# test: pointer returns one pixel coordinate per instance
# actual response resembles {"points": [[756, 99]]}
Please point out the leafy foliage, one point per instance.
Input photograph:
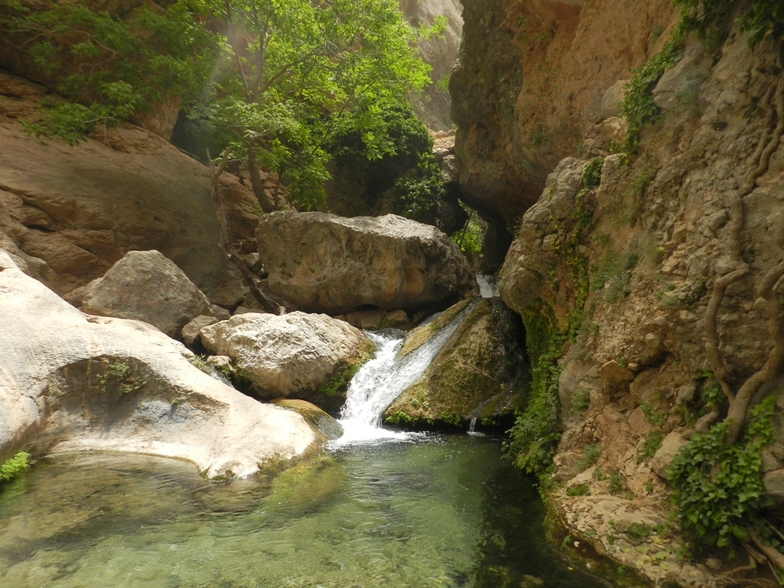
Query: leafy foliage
{"points": [[110, 68], [399, 156], [718, 487], [273, 78], [536, 431], [294, 71], [14, 466], [637, 106], [759, 18]]}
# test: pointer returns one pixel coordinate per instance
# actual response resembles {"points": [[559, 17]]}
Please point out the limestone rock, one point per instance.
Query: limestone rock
{"points": [[774, 485], [146, 286], [317, 418], [70, 382], [192, 331], [77, 210], [324, 263], [477, 373], [295, 355], [670, 446]]}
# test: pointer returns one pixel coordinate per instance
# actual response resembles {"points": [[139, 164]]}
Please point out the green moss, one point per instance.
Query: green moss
{"points": [[536, 432], [14, 466], [419, 336], [637, 106], [339, 382], [578, 490]]}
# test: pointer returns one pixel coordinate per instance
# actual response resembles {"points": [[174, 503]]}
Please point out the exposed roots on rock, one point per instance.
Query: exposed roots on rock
{"points": [[773, 102]]}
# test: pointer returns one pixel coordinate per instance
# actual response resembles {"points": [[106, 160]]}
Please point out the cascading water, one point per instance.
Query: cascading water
{"points": [[381, 380]]}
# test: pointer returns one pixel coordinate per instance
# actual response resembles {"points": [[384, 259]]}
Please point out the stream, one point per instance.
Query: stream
{"points": [[379, 508]]}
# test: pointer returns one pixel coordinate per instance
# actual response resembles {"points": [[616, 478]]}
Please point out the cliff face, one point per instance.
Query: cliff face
{"points": [[531, 78], [440, 52], [632, 270]]}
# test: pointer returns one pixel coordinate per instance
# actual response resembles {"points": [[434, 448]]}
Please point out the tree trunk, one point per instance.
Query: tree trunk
{"points": [[258, 184]]}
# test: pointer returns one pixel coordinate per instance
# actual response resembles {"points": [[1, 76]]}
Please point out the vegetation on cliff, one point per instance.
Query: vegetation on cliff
{"points": [[274, 81]]}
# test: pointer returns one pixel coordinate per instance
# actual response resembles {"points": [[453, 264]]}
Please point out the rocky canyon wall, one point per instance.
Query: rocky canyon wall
{"points": [[625, 256]]}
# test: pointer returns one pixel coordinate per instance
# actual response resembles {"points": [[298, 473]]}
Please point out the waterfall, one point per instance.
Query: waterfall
{"points": [[382, 379], [488, 288]]}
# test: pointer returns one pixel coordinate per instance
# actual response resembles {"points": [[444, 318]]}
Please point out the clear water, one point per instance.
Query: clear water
{"points": [[438, 512], [382, 379]]}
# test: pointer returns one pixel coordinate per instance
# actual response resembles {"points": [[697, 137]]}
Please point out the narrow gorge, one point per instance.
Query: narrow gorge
{"points": [[426, 293]]}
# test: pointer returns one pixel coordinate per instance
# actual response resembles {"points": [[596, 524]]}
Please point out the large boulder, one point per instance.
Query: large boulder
{"points": [[73, 211], [146, 286], [296, 355], [324, 263], [477, 373], [72, 382]]}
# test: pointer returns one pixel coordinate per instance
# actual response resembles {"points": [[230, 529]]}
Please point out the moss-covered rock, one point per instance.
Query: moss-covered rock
{"points": [[479, 372], [314, 416]]}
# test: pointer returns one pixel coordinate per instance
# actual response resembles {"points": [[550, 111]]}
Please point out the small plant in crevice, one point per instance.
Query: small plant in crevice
{"points": [[581, 400], [615, 486], [650, 446], [14, 466], [578, 490], [117, 378], [637, 106], [591, 454]]}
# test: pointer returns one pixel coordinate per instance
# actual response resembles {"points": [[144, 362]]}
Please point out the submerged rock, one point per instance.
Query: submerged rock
{"points": [[477, 373], [296, 355], [71, 382], [324, 263], [146, 286]]}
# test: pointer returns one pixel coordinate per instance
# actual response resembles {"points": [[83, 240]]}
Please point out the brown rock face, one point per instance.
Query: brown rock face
{"points": [[325, 263], [531, 77], [71, 212], [440, 52], [146, 286]]}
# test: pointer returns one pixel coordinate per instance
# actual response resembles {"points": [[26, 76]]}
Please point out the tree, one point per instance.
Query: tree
{"points": [[275, 78], [294, 72]]}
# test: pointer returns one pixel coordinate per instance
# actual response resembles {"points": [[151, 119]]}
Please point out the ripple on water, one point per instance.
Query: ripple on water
{"points": [[441, 512]]}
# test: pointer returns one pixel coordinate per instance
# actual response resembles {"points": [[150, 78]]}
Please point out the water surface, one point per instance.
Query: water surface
{"points": [[435, 512]]}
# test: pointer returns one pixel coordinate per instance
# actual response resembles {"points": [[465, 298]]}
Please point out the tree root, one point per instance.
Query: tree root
{"points": [[773, 102], [226, 243]]}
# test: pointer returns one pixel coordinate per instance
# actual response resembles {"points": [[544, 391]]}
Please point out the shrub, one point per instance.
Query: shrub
{"points": [[718, 487], [14, 466]]}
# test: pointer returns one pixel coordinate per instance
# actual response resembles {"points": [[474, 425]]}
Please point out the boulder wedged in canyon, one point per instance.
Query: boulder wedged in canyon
{"points": [[145, 286], [71, 212], [324, 263], [479, 372], [295, 355], [74, 382]]}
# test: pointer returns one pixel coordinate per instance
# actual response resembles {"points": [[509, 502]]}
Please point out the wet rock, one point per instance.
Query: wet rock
{"points": [[146, 286], [295, 355], [477, 373], [70, 382], [317, 418], [324, 263]]}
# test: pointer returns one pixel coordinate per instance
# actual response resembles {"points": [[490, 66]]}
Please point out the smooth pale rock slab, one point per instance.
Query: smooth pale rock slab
{"points": [[325, 263], [291, 355], [69, 381], [146, 286]]}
